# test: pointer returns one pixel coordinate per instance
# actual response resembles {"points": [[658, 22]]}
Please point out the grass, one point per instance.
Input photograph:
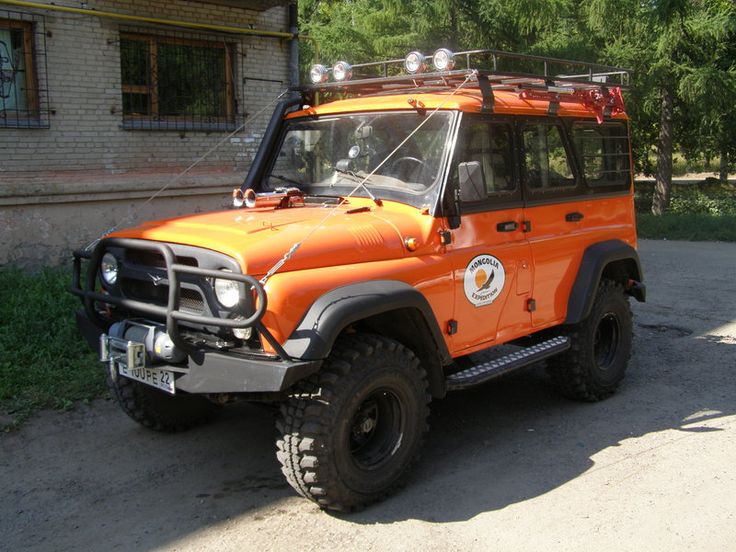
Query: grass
{"points": [[691, 227], [44, 362]]}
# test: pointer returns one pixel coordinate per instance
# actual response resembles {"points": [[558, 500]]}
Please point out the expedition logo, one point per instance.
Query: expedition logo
{"points": [[484, 280]]}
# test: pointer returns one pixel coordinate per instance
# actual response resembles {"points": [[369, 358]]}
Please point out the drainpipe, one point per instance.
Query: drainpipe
{"points": [[294, 43], [158, 21]]}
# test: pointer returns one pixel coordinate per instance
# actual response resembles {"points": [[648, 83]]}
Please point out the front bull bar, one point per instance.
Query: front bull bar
{"points": [[171, 311]]}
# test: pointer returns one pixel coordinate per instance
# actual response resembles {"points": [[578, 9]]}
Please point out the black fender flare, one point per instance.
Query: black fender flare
{"points": [[594, 262], [332, 312]]}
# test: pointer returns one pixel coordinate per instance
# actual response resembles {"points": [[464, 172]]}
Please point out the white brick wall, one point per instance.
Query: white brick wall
{"points": [[83, 59], [62, 186]]}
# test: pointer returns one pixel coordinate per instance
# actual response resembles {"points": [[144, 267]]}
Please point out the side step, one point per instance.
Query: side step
{"points": [[481, 373]]}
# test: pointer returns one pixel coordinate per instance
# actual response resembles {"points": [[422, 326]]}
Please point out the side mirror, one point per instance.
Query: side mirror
{"points": [[472, 181]]}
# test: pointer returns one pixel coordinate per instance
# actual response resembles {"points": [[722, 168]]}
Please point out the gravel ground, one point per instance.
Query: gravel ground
{"points": [[508, 466]]}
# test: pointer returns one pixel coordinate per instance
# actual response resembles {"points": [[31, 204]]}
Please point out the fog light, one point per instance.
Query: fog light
{"points": [[415, 63], [342, 71], [243, 333], [443, 60], [318, 74]]}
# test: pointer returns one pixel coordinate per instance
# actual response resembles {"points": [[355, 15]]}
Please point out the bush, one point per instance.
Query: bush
{"points": [[691, 227], [709, 197]]}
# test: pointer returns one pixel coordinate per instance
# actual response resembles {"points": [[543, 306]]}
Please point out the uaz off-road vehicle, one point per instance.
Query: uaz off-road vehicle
{"points": [[390, 226]]}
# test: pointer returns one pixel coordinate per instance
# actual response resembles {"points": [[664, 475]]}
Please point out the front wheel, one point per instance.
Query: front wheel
{"points": [[157, 410], [349, 433], [596, 362]]}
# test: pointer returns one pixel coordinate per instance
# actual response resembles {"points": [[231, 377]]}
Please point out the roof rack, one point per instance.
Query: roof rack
{"points": [[535, 77]]}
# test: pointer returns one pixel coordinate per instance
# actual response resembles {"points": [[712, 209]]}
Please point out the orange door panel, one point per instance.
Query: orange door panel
{"points": [[492, 277]]}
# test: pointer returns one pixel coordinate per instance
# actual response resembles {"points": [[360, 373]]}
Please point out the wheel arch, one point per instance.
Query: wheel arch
{"points": [[387, 307], [611, 259]]}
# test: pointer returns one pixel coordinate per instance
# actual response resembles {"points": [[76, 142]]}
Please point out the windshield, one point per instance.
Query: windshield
{"points": [[332, 155]]}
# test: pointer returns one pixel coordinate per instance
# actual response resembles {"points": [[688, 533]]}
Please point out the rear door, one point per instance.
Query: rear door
{"points": [[490, 255], [576, 178]]}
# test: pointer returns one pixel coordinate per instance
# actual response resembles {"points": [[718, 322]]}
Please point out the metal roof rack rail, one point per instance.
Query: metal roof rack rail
{"points": [[537, 77]]}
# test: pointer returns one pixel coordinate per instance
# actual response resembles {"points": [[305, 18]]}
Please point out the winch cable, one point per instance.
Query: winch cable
{"points": [[131, 216], [290, 253]]}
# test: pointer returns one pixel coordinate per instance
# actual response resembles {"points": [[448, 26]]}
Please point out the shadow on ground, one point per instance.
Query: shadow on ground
{"points": [[76, 481]]}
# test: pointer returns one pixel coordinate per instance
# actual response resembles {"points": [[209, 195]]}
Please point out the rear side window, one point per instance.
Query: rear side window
{"points": [[546, 163], [604, 153]]}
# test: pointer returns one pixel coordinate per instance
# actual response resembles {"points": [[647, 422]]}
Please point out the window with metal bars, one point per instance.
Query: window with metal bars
{"points": [[604, 153], [175, 83], [23, 102]]}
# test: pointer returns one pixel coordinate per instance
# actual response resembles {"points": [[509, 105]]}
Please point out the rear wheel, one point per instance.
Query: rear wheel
{"points": [[596, 362], [350, 432], [157, 410]]}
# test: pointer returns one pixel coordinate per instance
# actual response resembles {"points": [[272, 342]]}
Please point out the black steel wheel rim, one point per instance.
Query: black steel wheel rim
{"points": [[607, 339], [376, 429]]}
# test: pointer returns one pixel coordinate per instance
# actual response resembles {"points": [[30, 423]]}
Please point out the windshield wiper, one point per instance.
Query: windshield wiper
{"points": [[361, 181]]}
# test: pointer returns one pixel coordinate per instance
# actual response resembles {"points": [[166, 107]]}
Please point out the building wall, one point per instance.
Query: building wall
{"points": [[63, 185]]}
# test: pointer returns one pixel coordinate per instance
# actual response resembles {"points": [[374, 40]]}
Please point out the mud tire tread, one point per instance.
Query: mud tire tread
{"points": [[572, 372], [306, 420], [157, 411]]}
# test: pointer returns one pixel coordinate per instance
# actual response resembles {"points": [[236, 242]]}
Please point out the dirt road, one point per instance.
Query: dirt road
{"points": [[509, 466]]}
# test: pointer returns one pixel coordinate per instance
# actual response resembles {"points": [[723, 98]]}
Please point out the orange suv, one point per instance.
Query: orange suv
{"points": [[394, 223]]}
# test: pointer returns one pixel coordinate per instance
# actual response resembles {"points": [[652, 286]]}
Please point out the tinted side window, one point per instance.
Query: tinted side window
{"points": [[489, 145], [546, 165], [604, 153]]}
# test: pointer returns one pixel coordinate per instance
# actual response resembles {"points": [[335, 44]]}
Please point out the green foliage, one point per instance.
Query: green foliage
{"points": [[691, 227], [688, 46], [44, 362], [707, 198]]}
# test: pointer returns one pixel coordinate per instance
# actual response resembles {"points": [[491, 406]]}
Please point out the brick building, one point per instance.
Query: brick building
{"points": [[104, 102]]}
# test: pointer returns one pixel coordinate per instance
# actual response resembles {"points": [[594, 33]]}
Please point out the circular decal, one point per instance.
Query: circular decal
{"points": [[484, 280]]}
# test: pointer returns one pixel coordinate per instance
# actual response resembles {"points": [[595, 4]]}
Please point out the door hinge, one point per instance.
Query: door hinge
{"points": [[527, 226], [445, 237], [531, 305], [452, 327]]}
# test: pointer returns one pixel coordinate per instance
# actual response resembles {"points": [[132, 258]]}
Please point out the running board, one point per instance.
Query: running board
{"points": [[481, 373]]}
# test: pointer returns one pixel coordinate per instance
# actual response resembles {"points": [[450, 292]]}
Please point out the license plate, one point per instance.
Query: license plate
{"points": [[155, 377]]}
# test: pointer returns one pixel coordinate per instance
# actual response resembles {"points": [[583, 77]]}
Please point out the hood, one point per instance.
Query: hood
{"points": [[257, 238]]}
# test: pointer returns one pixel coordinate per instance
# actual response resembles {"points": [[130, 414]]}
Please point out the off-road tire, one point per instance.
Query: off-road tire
{"points": [[324, 446], [596, 362], [157, 410]]}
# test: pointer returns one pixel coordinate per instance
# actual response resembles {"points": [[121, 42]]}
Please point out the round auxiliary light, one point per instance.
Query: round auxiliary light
{"points": [[443, 60], [342, 71], [415, 62], [318, 74], [109, 268], [227, 292], [243, 333]]}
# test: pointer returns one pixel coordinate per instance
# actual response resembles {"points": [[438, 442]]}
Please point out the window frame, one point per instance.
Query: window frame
{"points": [[498, 201], [32, 119], [542, 195], [605, 187], [154, 120]]}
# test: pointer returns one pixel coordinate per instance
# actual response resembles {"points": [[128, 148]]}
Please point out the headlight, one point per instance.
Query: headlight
{"points": [[443, 60], [342, 71], [318, 74], [415, 63], [227, 292], [109, 269]]}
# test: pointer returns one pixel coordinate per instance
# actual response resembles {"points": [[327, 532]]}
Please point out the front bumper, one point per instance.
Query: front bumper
{"points": [[215, 372]]}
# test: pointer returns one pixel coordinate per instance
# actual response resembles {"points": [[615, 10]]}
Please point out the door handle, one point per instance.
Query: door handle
{"points": [[508, 226], [574, 217]]}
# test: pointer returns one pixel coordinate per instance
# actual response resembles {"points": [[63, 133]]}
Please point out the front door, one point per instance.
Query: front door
{"points": [[491, 257]]}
